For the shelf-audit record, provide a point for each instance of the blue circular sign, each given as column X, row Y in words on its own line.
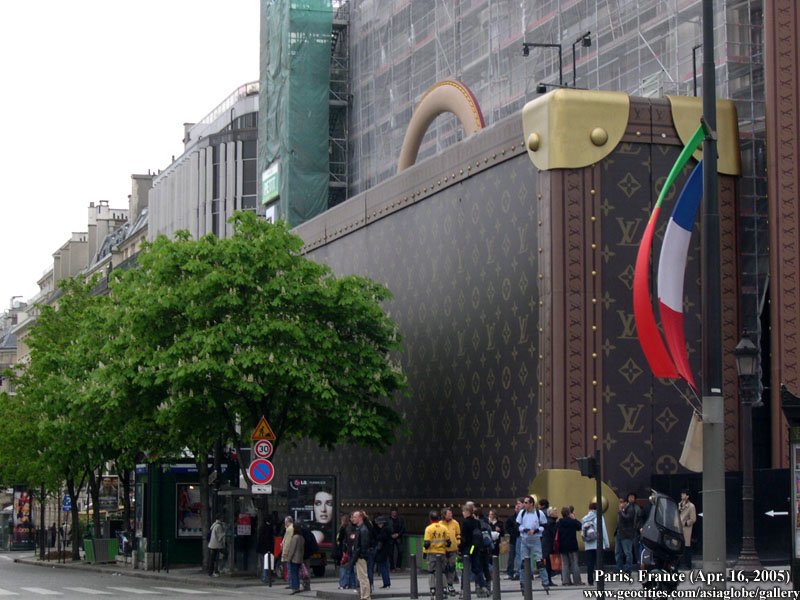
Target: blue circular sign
column 261, row 471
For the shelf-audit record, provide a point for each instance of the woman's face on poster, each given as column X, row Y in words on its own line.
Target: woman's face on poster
column 323, row 507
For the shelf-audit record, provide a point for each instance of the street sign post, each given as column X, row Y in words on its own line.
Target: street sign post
column 67, row 506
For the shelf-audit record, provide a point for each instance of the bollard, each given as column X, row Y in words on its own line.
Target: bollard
column 525, row 579
column 496, row 578
column 438, row 584
column 412, row 565
column 466, row 578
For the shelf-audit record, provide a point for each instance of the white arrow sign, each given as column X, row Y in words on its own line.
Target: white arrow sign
column 261, row 489
column 776, row 513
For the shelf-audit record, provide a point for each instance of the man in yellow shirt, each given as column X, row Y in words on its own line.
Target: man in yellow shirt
column 435, row 543
column 452, row 552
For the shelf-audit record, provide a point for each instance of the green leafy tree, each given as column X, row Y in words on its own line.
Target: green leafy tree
column 60, row 417
column 247, row 326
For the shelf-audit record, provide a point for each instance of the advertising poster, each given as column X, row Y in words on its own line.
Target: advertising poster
column 23, row 517
column 109, row 493
column 312, row 500
column 189, row 524
column 138, row 504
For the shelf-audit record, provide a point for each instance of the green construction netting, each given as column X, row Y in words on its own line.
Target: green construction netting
column 293, row 103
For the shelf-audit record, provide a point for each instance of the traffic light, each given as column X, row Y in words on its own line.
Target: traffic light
column 588, row 466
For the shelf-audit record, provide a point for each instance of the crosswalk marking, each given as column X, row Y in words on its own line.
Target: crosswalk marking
column 7, row 593
column 130, row 590
column 41, row 591
column 179, row 590
column 89, row 591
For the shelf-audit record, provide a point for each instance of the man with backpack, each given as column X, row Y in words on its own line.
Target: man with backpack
column 589, row 535
column 471, row 542
column 531, row 526
column 437, row 541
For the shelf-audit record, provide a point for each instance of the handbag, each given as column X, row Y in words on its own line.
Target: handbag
column 555, row 562
column 556, row 545
column 504, row 545
column 345, row 559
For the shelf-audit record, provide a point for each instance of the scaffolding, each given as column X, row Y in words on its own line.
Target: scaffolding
column 339, row 105
column 642, row 47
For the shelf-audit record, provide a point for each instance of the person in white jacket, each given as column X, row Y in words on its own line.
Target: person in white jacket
column 589, row 535
column 216, row 543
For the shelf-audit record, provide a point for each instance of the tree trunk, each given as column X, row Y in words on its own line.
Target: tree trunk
column 94, row 490
column 75, row 528
column 125, row 476
column 42, row 524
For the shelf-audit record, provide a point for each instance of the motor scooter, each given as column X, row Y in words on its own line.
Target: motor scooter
column 662, row 538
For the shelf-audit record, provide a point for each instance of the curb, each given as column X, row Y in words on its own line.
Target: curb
column 220, row 582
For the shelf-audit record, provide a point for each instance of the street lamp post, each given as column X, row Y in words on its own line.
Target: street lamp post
column 526, row 51
column 746, row 354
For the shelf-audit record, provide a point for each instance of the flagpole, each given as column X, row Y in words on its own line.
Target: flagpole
column 713, row 493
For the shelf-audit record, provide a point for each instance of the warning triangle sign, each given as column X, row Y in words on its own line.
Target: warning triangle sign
column 263, row 431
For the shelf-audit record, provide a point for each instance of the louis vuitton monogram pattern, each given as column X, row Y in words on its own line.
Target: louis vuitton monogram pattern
column 462, row 266
column 646, row 419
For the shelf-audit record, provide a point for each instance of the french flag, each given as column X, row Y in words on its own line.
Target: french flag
column 672, row 269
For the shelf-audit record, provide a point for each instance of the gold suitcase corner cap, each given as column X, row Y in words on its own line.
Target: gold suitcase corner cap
column 569, row 129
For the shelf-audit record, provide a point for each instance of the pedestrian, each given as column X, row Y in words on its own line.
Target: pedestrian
column 342, row 555
column 383, row 547
column 512, row 527
column 471, row 541
column 637, row 527
column 361, row 550
column 398, row 531
column 435, row 543
column 216, row 544
column 688, row 515
column 265, row 544
column 288, row 534
column 549, row 542
column 451, row 553
column 589, row 535
column 567, row 530
column 498, row 531
column 482, row 548
column 626, row 531
column 294, row 556
column 531, row 525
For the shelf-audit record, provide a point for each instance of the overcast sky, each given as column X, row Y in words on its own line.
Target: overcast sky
column 93, row 91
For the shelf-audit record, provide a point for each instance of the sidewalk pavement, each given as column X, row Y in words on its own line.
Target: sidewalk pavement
column 326, row 588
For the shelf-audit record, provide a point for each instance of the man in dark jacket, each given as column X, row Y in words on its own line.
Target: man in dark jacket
column 398, row 530
column 470, row 546
column 512, row 528
column 626, row 532
column 361, row 548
